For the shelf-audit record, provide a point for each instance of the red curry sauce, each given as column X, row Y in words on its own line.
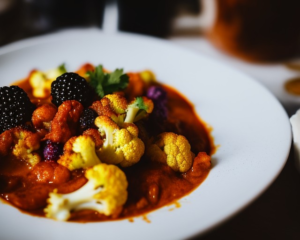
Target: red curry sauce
column 151, row 185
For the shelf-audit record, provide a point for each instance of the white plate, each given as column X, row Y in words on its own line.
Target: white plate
column 249, row 124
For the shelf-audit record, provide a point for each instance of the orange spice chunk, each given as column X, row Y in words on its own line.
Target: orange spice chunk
column 63, row 126
column 49, row 172
column 43, row 115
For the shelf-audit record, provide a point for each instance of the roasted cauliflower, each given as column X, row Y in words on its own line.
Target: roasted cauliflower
column 115, row 106
column 121, row 146
column 79, row 152
column 172, row 149
column 24, row 145
column 41, row 81
column 138, row 109
column 105, row 192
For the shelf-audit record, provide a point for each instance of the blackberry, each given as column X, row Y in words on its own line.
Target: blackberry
column 87, row 119
column 15, row 107
column 52, row 151
column 71, row 86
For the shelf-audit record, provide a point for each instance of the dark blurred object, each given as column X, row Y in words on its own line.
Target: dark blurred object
column 10, row 20
column 38, row 16
column 188, row 6
column 258, row 30
column 25, row 18
column 152, row 17
column 42, row 16
column 79, row 12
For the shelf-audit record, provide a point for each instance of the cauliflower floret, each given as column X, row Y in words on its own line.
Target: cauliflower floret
column 102, row 108
column 23, row 144
column 131, row 146
column 79, row 152
column 121, row 146
column 117, row 103
column 95, row 135
column 139, row 108
column 172, row 149
column 41, row 81
column 132, row 128
column 105, row 192
column 148, row 76
column 113, row 106
column 40, row 84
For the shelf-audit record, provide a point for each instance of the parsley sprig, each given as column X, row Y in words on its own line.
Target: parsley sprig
column 62, row 68
column 106, row 83
column 140, row 104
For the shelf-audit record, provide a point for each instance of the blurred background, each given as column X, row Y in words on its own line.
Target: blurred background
column 258, row 37
column 250, row 29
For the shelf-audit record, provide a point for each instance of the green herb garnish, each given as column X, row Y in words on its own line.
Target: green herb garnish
column 106, row 83
column 62, row 68
column 140, row 104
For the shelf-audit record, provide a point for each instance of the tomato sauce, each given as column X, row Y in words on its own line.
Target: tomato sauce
column 151, row 185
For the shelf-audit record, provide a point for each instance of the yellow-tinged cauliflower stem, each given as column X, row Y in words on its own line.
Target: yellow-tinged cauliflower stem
column 172, row 149
column 138, row 109
column 121, row 146
column 105, row 192
column 26, row 143
column 79, row 152
column 41, row 81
